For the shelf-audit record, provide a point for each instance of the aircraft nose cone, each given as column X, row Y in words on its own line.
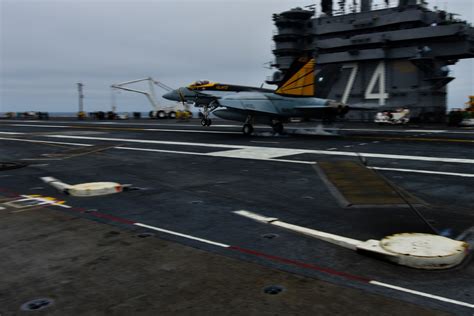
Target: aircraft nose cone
column 172, row 96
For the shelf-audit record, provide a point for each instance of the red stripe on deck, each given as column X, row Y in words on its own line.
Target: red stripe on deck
column 103, row 216
column 302, row 264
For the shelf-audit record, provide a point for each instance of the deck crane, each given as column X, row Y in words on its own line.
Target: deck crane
column 158, row 111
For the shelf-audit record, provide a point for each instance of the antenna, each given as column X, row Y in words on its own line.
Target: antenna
column 311, row 7
column 268, row 65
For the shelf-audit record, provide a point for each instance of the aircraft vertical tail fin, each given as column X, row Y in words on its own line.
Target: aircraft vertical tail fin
column 299, row 80
column 304, row 80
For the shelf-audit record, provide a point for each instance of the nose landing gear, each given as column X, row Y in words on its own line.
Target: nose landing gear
column 206, row 122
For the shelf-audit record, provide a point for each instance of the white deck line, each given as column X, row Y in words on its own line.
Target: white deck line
column 466, row 175
column 43, row 141
column 435, row 297
column 290, row 126
column 11, row 133
column 306, row 151
column 236, row 157
column 183, row 235
column 213, row 155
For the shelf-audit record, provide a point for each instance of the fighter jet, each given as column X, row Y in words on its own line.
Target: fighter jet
column 294, row 97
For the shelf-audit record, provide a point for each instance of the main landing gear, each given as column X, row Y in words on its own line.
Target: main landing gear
column 206, row 121
column 247, row 129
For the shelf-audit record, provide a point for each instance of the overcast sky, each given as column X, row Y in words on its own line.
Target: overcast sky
column 47, row 46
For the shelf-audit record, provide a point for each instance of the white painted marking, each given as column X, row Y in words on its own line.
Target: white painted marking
column 2, row 208
column 332, row 149
column 43, row 141
column 348, row 146
column 11, row 133
column 210, row 155
column 263, row 142
column 436, row 297
column 248, row 157
column 464, row 131
column 257, row 152
column 226, row 125
column 31, row 125
column 362, row 144
column 188, row 131
column 183, row 235
column 143, row 129
column 255, row 216
column 466, row 175
column 425, row 131
column 400, row 130
column 147, row 141
column 42, row 200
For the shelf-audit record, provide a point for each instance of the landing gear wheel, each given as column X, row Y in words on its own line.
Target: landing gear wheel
column 247, row 129
column 172, row 115
column 278, row 128
column 206, row 122
column 161, row 114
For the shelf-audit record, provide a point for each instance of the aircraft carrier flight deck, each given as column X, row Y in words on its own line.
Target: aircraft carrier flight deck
column 177, row 238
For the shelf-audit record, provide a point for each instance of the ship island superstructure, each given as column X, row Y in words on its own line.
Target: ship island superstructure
column 397, row 56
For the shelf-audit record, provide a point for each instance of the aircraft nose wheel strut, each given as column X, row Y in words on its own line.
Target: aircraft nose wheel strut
column 206, row 121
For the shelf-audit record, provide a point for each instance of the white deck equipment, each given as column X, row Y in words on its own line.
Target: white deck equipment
column 415, row 250
column 85, row 189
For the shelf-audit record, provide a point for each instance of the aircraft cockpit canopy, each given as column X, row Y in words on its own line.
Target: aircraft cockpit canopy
column 200, row 84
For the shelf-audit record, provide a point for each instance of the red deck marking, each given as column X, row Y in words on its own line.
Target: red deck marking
column 109, row 217
column 302, row 264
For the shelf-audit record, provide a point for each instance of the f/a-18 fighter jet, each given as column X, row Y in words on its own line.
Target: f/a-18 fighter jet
column 296, row 96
